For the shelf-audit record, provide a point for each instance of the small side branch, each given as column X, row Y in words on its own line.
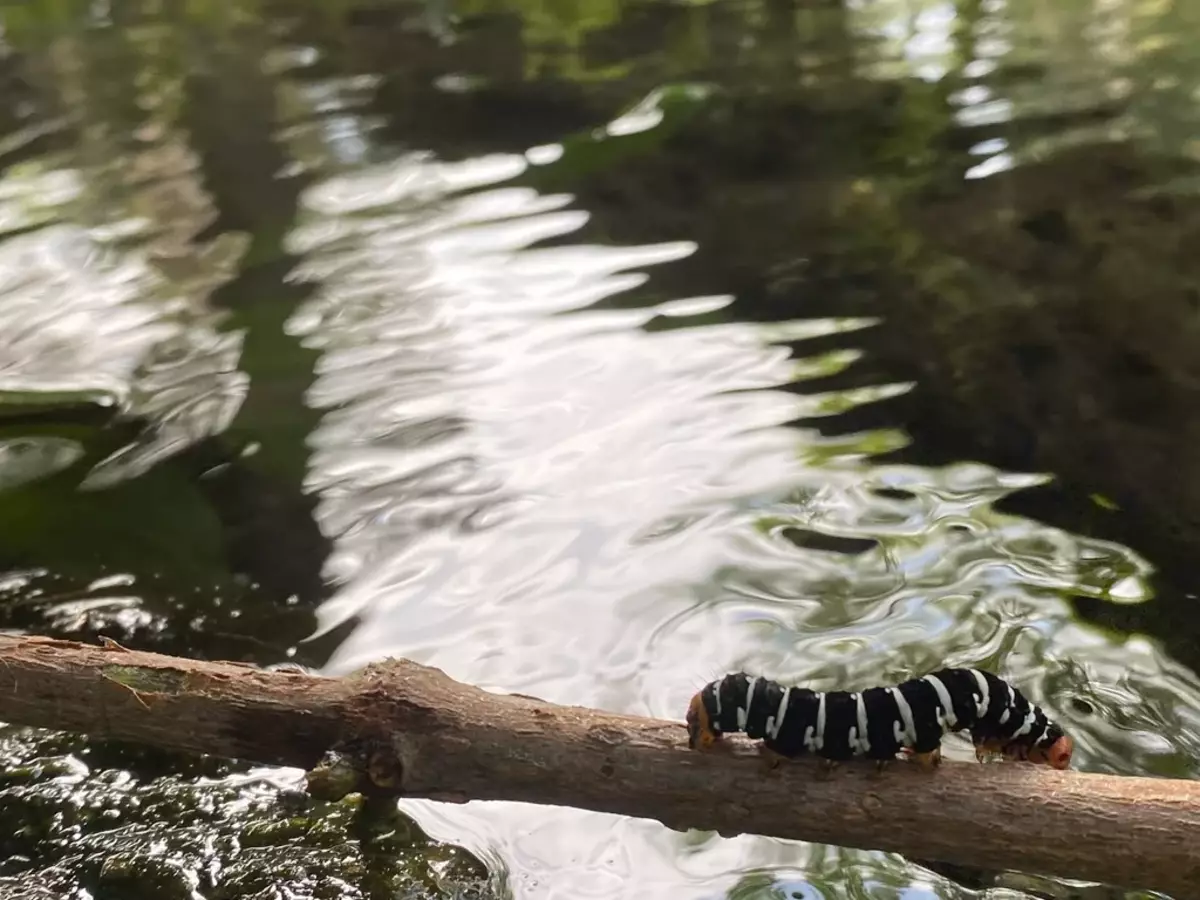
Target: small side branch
column 409, row 730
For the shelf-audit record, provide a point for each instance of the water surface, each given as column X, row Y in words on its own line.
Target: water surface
column 591, row 352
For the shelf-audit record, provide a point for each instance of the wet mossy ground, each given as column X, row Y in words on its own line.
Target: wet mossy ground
column 124, row 823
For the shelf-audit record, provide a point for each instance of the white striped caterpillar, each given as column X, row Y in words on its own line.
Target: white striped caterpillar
column 880, row 722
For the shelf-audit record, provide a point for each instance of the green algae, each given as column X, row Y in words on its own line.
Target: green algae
column 147, row 680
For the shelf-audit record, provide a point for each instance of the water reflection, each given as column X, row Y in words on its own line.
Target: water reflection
column 604, row 398
column 554, row 853
column 536, row 492
column 86, row 319
column 510, row 474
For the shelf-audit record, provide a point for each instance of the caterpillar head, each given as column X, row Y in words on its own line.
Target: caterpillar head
column 699, row 724
column 1054, row 749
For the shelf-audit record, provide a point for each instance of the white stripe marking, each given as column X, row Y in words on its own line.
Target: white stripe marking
column 1027, row 725
column 774, row 725
column 744, row 712
column 852, row 733
column 946, row 718
column 1008, row 702
column 982, row 701
column 906, row 737
column 820, row 735
column 864, row 741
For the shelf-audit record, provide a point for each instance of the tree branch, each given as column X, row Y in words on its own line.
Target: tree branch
column 410, row 730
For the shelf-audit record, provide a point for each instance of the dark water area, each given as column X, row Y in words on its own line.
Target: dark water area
column 590, row 350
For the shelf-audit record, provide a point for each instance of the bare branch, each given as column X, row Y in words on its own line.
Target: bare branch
column 410, row 730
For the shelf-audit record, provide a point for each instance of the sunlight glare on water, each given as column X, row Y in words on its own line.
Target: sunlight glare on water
column 535, row 493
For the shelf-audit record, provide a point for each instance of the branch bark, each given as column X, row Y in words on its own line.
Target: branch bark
column 410, row 730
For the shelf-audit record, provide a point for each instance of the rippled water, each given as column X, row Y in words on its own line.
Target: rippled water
column 591, row 353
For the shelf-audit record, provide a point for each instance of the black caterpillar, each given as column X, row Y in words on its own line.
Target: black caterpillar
column 879, row 722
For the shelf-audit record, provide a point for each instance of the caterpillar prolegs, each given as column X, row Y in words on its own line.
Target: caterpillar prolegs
column 879, row 722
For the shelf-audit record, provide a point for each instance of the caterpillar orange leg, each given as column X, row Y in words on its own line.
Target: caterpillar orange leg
column 987, row 750
column 928, row 761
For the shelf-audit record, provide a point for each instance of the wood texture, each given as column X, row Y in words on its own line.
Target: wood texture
column 420, row 734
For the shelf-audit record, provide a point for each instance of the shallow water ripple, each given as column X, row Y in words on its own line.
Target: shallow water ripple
column 533, row 491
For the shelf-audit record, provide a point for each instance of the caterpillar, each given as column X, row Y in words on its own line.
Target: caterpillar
column 879, row 722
